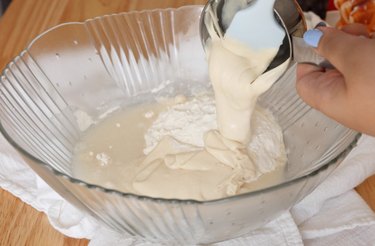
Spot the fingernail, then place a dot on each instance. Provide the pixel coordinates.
(312, 37)
(322, 23)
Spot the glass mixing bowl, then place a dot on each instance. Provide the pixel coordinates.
(124, 59)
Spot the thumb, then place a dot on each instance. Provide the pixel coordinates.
(336, 46)
(305, 83)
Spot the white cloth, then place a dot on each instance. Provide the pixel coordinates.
(334, 214)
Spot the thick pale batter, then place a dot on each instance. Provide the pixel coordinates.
(236, 75)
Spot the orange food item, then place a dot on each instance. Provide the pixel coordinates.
(356, 11)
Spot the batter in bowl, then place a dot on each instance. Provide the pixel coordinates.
(159, 150)
(242, 148)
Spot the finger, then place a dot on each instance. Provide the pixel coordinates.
(356, 29)
(324, 90)
(335, 46)
(304, 69)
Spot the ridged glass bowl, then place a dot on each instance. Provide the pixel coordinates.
(94, 65)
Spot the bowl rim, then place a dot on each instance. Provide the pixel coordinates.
(90, 186)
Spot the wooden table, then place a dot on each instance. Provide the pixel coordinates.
(20, 224)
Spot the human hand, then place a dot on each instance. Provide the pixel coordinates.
(347, 92)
